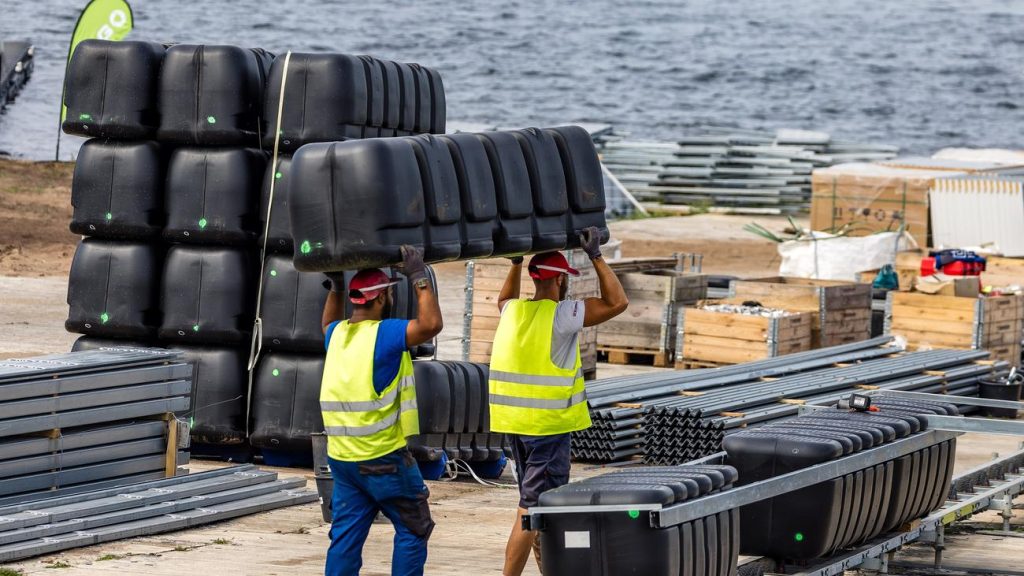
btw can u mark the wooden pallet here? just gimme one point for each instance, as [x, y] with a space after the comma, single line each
[696, 365]
[657, 358]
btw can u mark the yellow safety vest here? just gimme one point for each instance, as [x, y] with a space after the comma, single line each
[360, 424]
[528, 392]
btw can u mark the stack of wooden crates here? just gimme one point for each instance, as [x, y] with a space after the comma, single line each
[648, 326]
[484, 279]
[842, 310]
[709, 338]
[928, 321]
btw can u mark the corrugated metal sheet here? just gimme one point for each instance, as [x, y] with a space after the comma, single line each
[976, 210]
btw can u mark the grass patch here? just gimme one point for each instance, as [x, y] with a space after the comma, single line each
[106, 557]
[222, 541]
[10, 572]
[59, 564]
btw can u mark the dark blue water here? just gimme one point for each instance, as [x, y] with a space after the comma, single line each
[920, 74]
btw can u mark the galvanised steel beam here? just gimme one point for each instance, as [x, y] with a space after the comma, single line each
[61, 500]
[157, 525]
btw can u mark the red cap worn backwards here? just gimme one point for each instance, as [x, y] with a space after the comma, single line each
[550, 265]
[367, 284]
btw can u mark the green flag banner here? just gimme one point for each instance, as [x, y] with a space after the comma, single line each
[102, 19]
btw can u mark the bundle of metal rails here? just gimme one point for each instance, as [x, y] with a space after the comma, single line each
[82, 420]
[673, 417]
[732, 170]
[62, 523]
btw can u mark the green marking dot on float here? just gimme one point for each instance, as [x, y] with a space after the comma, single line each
[211, 120]
[195, 327]
[305, 247]
[634, 514]
[799, 537]
[109, 216]
[278, 175]
[273, 272]
[202, 223]
[276, 372]
[104, 317]
[85, 116]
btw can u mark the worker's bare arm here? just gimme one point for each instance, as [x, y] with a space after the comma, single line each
[510, 289]
[613, 299]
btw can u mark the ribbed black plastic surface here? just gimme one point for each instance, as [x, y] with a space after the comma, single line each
[111, 89]
[612, 543]
[850, 510]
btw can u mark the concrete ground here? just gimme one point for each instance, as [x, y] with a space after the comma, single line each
[473, 521]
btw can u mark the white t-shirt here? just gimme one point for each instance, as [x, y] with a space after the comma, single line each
[566, 332]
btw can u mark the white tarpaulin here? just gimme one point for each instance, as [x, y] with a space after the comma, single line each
[828, 257]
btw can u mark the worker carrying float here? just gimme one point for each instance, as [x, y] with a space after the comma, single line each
[368, 401]
[536, 377]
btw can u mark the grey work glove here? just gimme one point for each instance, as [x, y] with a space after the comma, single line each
[412, 265]
[590, 242]
[335, 281]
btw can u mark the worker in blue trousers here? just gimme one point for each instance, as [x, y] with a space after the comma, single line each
[368, 402]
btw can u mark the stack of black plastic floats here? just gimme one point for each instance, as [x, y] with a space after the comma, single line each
[181, 202]
[172, 194]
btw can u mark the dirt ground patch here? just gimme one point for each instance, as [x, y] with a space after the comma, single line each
[35, 209]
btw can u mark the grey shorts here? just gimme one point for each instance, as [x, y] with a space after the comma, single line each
[542, 463]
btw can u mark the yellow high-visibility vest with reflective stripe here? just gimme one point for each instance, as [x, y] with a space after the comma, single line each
[528, 392]
[360, 423]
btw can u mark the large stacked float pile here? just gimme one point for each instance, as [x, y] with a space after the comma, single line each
[173, 193]
[670, 418]
[198, 237]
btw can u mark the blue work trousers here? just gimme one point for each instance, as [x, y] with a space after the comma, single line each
[391, 484]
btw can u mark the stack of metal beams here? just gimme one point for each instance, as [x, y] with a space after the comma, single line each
[77, 421]
[55, 524]
[731, 170]
[673, 417]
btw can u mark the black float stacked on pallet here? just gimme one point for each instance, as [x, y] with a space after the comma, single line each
[850, 510]
[117, 191]
[172, 257]
[610, 543]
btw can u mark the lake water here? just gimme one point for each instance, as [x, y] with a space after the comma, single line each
[920, 74]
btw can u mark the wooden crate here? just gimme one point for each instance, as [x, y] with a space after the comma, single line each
[842, 310]
[928, 321]
[484, 279]
[648, 326]
[708, 336]
[872, 198]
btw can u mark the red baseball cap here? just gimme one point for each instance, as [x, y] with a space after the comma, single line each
[368, 284]
[549, 265]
